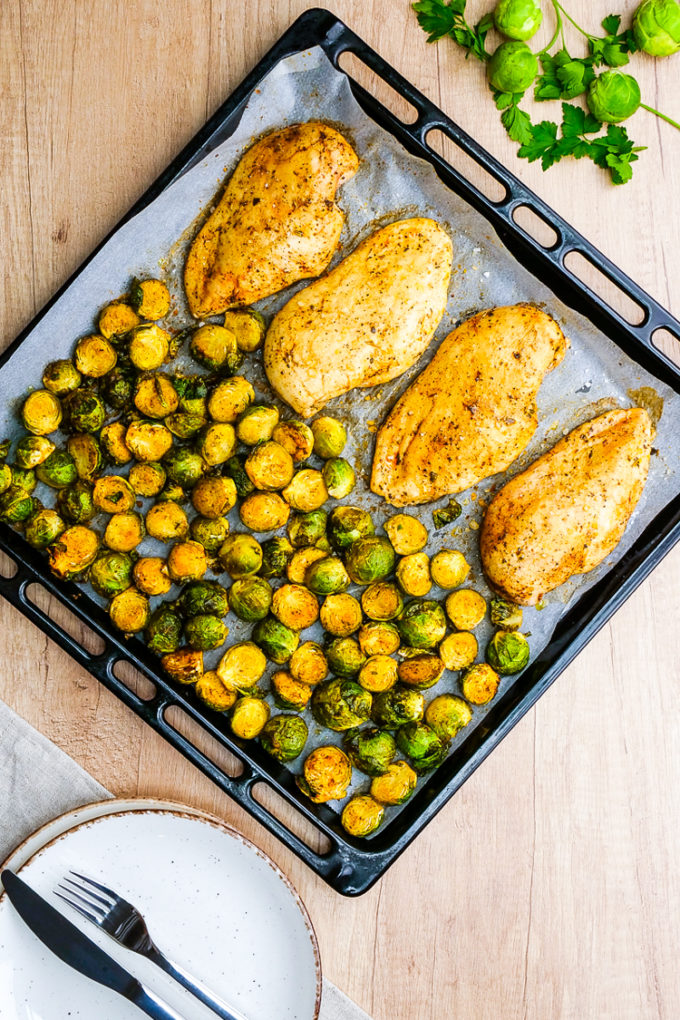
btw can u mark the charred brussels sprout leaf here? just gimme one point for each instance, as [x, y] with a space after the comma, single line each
[422, 623]
[276, 552]
[370, 750]
[340, 704]
[508, 652]
[447, 514]
[284, 737]
[420, 743]
[370, 559]
[505, 615]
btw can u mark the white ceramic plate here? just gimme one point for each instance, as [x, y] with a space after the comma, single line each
[213, 902]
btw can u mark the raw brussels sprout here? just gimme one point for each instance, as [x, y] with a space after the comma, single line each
[512, 68]
[446, 715]
[276, 552]
[113, 494]
[32, 450]
[289, 692]
[307, 491]
[397, 706]
[150, 299]
[465, 608]
[413, 574]
[344, 656]
[5, 477]
[508, 652]
[240, 554]
[341, 614]
[250, 598]
[234, 468]
[326, 774]
[247, 326]
[148, 440]
[147, 479]
[382, 601]
[117, 318]
[213, 693]
[205, 632]
[656, 27]
[396, 785]
[449, 568]
[130, 611]
[94, 356]
[86, 454]
[339, 476]
[151, 575]
[213, 347]
[214, 496]
[378, 673]
[457, 651]
[248, 717]
[211, 533]
[446, 514]
[256, 423]
[41, 413]
[167, 522]
[269, 466]
[230, 399]
[264, 511]
[192, 391]
[327, 576]
[308, 663]
[23, 478]
[421, 671]
[204, 597]
[378, 638]
[295, 437]
[307, 529]
[277, 641]
[406, 534]
[187, 562]
[330, 437]
[361, 815]
[346, 525]
[17, 505]
[300, 562]
[479, 683]
[73, 552]
[148, 347]
[185, 666]
[155, 396]
[58, 470]
[43, 527]
[420, 743]
[84, 411]
[124, 532]
[117, 388]
[60, 377]
[371, 750]
[505, 615]
[163, 631]
[75, 503]
[370, 559]
[613, 96]
[183, 466]
[216, 443]
[284, 737]
[242, 666]
[340, 704]
[517, 19]
[112, 438]
[422, 624]
[294, 606]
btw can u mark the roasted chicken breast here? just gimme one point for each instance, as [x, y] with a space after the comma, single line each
[569, 509]
[277, 221]
[366, 321]
[472, 410]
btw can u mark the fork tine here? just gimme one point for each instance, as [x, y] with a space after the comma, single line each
[98, 911]
[102, 888]
[74, 906]
[89, 894]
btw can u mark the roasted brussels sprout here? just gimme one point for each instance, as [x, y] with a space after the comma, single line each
[308, 663]
[277, 641]
[204, 597]
[307, 491]
[117, 318]
[264, 511]
[300, 562]
[344, 656]
[205, 632]
[370, 559]
[295, 437]
[5, 477]
[397, 706]
[284, 737]
[361, 815]
[378, 638]
[307, 529]
[512, 68]
[23, 478]
[457, 651]
[185, 666]
[213, 693]
[117, 388]
[505, 615]
[371, 750]
[508, 652]
[32, 450]
[406, 534]
[113, 494]
[330, 437]
[130, 611]
[422, 624]
[112, 438]
[94, 356]
[413, 574]
[326, 774]
[213, 347]
[84, 411]
[216, 443]
[248, 717]
[58, 470]
[421, 671]
[339, 476]
[269, 466]
[43, 527]
[187, 562]
[613, 96]
[517, 19]
[294, 606]
[75, 503]
[167, 522]
[250, 598]
[289, 692]
[73, 552]
[382, 601]
[240, 554]
[327, 576]
[151, 575]
[465, 608]
[41, 412]
[61, 377]
[447, 514]
[150, 299]
[155, 396]
[396, 785]
[171, 493]
[378, 673]
[340, 704]
[341, 614]
[192, 391]
[212, 534]
[346, 525]
[147, 479]
[124, 531]
[214, 496]
[148, 440]
[247, 326]
[420, 743]
[449, 568]
[256, 423]
[17, 505]
[276, 552]
[163, 631]
[185, 425]
[446, 715]
[479, 683]
[86, 454]
[230, 399]
[656, 27]
[184, 466]
[148, 347]
[234, 468]
[242, 666]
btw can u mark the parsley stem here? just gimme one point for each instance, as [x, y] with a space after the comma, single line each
[558, 29]
[663, 116]
[558, 7]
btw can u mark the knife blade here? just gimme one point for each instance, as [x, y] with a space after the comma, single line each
[72, 947]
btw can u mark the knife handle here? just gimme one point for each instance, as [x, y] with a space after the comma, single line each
[194, 986]
[150, 1004]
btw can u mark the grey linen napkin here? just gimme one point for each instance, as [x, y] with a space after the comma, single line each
[39, 782]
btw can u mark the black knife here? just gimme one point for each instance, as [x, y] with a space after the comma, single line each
[70, 945]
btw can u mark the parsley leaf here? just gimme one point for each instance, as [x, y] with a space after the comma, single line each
[439, 18]
[542, 145]
[612, 49]
[518, 124]
[564, 76]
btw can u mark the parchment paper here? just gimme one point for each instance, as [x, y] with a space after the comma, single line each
[391, 184]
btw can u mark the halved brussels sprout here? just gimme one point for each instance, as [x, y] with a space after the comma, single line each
[5, 477]
[300, 562]
[242, 666]
[185, 425]
[43, 527]
[148, 440]
[420, 743]
[361, 815]
[446, 715]
[269, 466]
[213, 693]
[396, 785]
[117, 318]
[151, 575]
[284, 737]
[371, 750]
[86, 454]
[308, 663]
[256, 423]
[294, 606]
[213, 496]
[277, 641]
[344, 656]
[184, 466]
[327, 576]
[289, 692]
[307, 491]
[382, 601]
[341, 614]
[17, 505]
[185, 666]
[247, 326]
[465, 608]
[204, 597]
[230, 399]
[130, 611]
[192, 391]
[117, 388]
[150, 299]
[449, 568]
[276, 552]
[422, 623]
[23, 478]
[205, 632]
[340, 704]
[248, 717]
[212, 534]
[307, 529]
[421, 671]
[505, 615]
[240, 554]
[216, 443]
[41, 412]
[167, 522]
[406, 533]
[187, 562]
[413, 574]
[397, 706]
[94, 356]
[378, 638]
[213, 346]
[112, 438]
[339, 476]
[330, 437]
[124, 532]
[508, 652]
[234, 468]
[347, 524]
[61, 377]
[457, 651]
[296, 438]
[73, 552]
[113, 494]
[84, 411]
[479, 683]
[148, 347]
[264, 511]
[155, 396]
[58, 470]
[33, 450]
[147, 479]
[171, 493]
[163, 631]
[75, 503]
[250, 598]
[370, 559]
[378, 673]
[326, 774]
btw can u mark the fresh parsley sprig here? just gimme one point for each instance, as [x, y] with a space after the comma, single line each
[447, 17]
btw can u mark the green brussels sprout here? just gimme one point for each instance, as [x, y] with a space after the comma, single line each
[183, 466]
[370, 750]
[58, 470]
[446, 514]
[41, 412]
[61, 377]
[212, 533]
[340, 704]
[397, 706]
[344, 655]
[422, 623]
[17, 505]
[339, 476]
[87, 455]
[205, 631]
[613, 96]
[370, 559]
[201, 597]
[257, 423]
[284, 737]
[512, 68]
[327, 576]
[163, 631]
[446, 715]
[111, 573]
[276, 552]
[183, 424]
[656, 27]
[307, 529]
[5, 477]
[23, 478]
[234, 468]
[84, 411]
[33, 450]
[117, 388]
[517, 19]
[250, 598]
[505, 615]
[420, 743]
[361, 815]
[240, 554]
[507, 652]
[192, 391]
[277, 641]
[330, 436]
[75, 503]
[43, 527]
[347, 524]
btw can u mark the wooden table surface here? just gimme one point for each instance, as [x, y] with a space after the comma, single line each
[548, 887]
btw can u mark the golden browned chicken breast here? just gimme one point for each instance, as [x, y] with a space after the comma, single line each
[569, 509]
[365, 322]
[472, 411]
[277, 221]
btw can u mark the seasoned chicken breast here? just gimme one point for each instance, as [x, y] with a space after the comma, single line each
[569, 509]
[277, 221]
[365, 322]
[471, 411]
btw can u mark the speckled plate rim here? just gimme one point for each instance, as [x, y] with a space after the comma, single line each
[49, 833]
